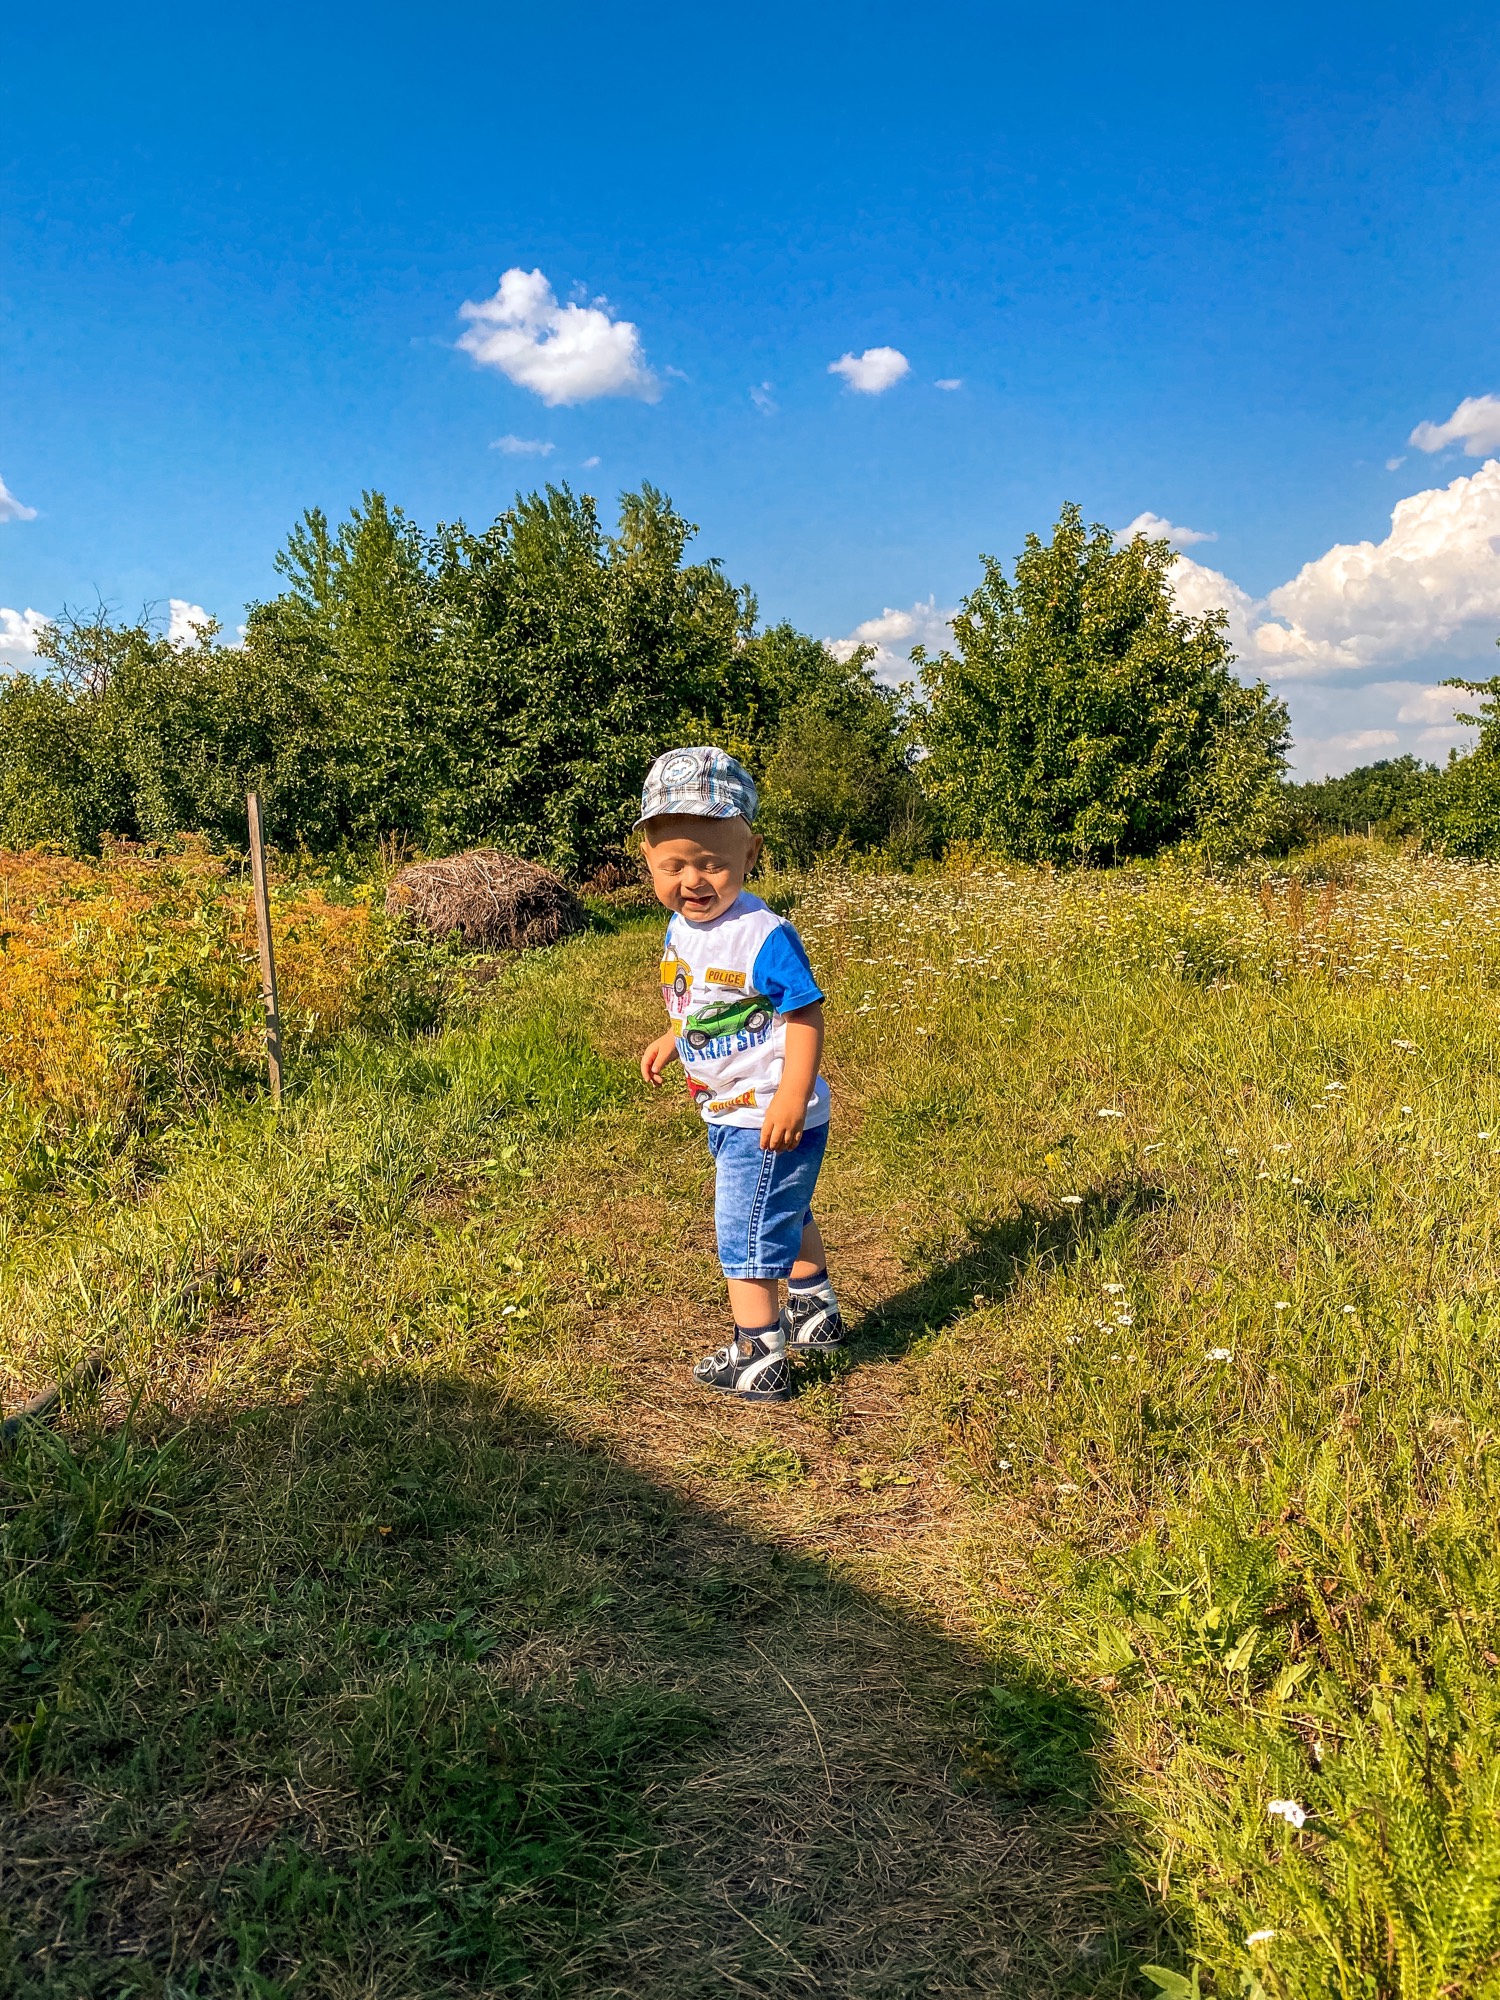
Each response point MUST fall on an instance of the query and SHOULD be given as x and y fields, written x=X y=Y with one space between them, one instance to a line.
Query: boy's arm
x=656 y=1055
x=787 y=1112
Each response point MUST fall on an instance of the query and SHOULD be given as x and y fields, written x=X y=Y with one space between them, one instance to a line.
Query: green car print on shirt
x=728 y=1017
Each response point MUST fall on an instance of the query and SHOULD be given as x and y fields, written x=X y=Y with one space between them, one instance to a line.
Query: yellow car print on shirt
x=676 y=984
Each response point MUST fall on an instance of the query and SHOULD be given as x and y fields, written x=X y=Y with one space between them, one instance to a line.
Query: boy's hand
x=782 y=1126
x=656 y=1055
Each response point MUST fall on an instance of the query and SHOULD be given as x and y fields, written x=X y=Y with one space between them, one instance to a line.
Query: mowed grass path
x=400 y=1622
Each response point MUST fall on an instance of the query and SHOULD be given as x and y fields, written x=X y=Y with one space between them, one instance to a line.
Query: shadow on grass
x=400 y=1691
x=996 y=1257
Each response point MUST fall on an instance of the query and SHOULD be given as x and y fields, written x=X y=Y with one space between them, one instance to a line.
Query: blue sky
x=1209 y=267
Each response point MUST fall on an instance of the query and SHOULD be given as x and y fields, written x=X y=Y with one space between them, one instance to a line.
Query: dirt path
x=854 y=1833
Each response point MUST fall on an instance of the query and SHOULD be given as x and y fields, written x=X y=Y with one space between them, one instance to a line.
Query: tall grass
x=130 y=996
x=1208 y=1179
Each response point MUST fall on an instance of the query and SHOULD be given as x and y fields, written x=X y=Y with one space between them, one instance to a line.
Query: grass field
x=397 y=1622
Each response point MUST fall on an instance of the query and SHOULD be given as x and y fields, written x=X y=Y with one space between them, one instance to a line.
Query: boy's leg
x=811 y=1320
x=812 y=1258
x=754 y=1301
x=754 y=1365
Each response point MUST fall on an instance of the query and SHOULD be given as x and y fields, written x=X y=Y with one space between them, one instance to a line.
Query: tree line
x=1455 y=807
x=453 y=688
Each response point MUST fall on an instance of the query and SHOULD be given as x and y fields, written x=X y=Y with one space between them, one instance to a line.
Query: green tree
x=565 y=659
x=48 y=789
x=130 y=734
x=331 y=720
x=1460 y=808
x=63 y=780
x=1082 y=716
x=833 y=751
x=509 y=687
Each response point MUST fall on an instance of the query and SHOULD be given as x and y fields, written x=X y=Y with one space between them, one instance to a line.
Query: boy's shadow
x=995 y=1258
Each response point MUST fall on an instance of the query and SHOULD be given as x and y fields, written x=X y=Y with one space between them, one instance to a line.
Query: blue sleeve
x=782 y=972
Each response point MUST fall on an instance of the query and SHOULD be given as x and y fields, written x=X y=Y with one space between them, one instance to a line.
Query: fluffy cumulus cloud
x=1336 y=724
x=1199 y=588
x=1429 y=591
x=19 y=632
x=1371 y=615
x=1436 y=706
x=11 y=509
x=185 y=621
x=874 y=371
x=517 y=447
x=893 y=634
x=564 y=354
x=1475 y=424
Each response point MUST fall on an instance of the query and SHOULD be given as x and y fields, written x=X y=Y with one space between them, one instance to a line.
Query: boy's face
x=698 y=866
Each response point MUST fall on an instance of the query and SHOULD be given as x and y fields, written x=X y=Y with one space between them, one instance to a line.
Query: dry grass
x=130 y=995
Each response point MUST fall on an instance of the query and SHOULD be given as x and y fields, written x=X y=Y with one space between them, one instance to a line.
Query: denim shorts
x=762 y=1201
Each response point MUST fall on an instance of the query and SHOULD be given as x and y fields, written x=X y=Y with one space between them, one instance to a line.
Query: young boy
x=747 y=1020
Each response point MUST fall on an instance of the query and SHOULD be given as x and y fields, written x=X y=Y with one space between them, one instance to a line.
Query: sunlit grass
x=1212 y=1227
x=1179 y=1198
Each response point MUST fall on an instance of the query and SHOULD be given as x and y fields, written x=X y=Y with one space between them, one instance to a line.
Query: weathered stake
x=267 y=953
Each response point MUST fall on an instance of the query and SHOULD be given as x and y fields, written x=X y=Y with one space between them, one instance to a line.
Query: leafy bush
x=826 y=786
x=837 y=774
x=54 y=776
x=1460 y=807
x=1082 y=717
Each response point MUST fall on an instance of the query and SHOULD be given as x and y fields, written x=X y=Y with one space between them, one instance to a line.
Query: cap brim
x=683 y=812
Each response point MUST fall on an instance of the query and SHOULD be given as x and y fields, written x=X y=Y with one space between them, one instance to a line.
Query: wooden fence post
x=267 y=953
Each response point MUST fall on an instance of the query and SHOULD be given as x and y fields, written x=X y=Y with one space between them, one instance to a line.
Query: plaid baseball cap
x=701 y=783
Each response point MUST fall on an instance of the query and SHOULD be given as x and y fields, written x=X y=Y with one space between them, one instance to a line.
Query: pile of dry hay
x=495 y=902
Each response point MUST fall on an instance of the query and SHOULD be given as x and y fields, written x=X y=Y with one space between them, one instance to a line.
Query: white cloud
x=1198 y=588
x=564 y=354
x=874 y=371
x=764 y=401
x=1359 y=742
x=1395 y=464
x=19 y=632
x=11 y=509
x=1338 y=724
x=1475 y=424
x=949 y=382
x=1157 y=529
x=893 y=634
x=1429 y=591
x=515 y=447
x=185 y=621
x=1431 y=587
x=590 y=463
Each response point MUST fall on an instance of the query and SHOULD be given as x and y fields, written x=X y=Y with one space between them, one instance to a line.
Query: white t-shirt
x=729 y=986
